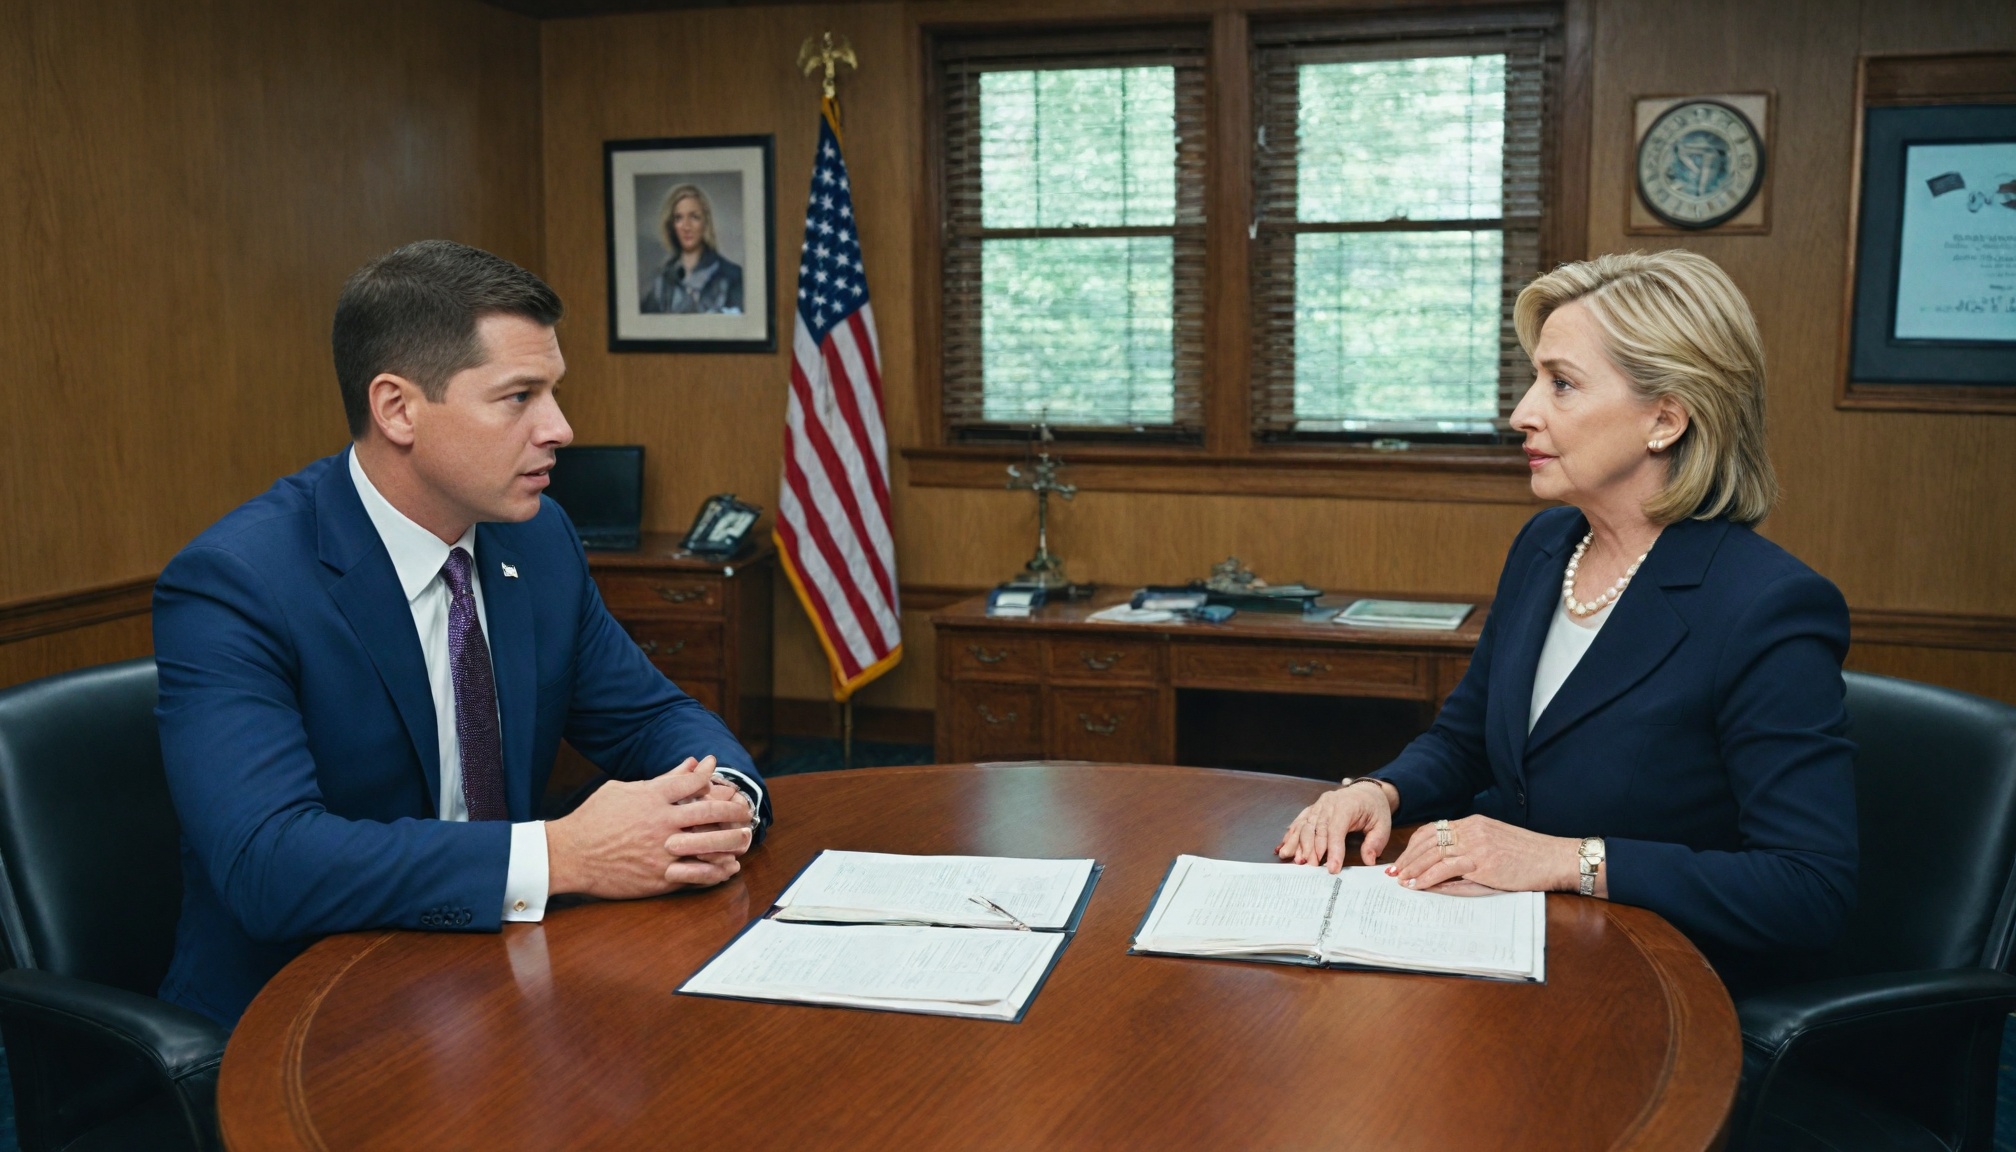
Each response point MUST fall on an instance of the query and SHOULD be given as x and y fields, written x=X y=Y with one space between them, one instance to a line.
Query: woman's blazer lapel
x=1643 y=630
x=1524 y=629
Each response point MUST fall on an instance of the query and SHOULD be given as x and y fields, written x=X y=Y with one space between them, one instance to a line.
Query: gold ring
x=1443 y=836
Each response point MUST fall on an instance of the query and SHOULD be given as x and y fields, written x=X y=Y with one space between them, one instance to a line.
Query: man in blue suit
x=366 y=671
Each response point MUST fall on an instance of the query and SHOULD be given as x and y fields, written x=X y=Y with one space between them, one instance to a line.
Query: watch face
x=1699 y=164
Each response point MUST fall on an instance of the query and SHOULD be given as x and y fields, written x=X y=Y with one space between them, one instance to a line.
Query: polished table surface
x=567 y=1033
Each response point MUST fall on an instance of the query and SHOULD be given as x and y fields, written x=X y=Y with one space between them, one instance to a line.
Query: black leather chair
x=90 y=887
x=1893 y=1043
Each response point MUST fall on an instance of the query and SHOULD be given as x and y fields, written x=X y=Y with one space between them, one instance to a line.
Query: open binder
x=1356 y=918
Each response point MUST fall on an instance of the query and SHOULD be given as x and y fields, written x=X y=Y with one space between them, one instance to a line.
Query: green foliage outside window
x=1399 y=327
x=1078 y=329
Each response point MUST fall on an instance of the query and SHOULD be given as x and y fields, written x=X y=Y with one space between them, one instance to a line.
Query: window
x=1073 y=243
x=1304 y=289
x=1397 y=204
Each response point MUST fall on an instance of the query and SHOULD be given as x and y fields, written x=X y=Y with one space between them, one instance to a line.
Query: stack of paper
x=1360 y=917
x=942 y=971
x=881 y=888
x=908 y=934
x=1412 y=614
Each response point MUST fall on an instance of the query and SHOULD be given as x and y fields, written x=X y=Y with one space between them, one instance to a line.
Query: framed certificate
x=1931 y=311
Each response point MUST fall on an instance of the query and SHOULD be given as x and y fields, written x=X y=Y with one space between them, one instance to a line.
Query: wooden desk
x=567 y=1034
x=1056 y=686
x=705 y=623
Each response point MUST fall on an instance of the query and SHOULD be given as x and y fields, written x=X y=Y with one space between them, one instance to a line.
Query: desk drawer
x=1293 y=668
x=995 y=655
x=995 y=722
x=689 y=647
x=630 y=594
x=707 y=692
x=1102 y=658
x=1117 y=726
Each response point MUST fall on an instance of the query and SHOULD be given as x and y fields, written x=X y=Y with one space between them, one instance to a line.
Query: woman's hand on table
x=1488 y=856
x=1317 y=834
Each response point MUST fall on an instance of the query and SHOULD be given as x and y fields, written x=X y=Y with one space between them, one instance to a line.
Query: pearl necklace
x=1609 y=594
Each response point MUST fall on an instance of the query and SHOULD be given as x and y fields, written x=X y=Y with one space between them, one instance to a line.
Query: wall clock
x=1699 y=164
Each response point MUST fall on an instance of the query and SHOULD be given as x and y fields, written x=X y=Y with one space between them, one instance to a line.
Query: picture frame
x=1929 y=311
x=690 y=228
x=1760 y=108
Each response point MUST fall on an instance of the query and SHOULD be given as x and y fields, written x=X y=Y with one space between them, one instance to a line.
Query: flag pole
x=847 y=733
x=845 y=574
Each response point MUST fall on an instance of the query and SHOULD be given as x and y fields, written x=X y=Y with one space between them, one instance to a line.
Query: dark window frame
x=1229 y=459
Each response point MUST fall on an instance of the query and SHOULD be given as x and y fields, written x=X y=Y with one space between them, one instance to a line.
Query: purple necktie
x=475 y=697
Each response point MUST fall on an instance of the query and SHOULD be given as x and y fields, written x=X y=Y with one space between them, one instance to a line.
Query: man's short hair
x=413 y=312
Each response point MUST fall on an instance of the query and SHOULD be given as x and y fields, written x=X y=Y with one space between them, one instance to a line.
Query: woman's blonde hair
x=1678 y=327
x=671 y=205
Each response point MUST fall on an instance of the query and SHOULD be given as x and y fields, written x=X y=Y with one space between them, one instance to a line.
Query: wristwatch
x=1590 y=856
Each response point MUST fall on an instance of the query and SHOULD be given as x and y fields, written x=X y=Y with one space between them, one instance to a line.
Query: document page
x=947 y=971
x=883 y=888
x=1376 y=921
x=1226 y=907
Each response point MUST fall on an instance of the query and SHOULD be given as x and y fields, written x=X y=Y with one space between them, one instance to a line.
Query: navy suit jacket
x=299 y=734
x=1701 y=736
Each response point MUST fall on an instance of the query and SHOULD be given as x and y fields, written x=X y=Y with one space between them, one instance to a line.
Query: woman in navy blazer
x=1654 y=712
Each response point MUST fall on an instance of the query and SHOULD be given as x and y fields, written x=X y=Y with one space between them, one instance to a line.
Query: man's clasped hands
x=684 y=829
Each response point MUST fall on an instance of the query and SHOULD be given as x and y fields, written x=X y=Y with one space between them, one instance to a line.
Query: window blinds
x=1398 y=189
x=1072 y=241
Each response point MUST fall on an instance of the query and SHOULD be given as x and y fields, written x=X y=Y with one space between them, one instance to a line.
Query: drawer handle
x=1111 y=725
x=1309 y=669
x=984 y=657
x=1100 y=663
x=651 y=647
x=990 y=718
x=681 y=595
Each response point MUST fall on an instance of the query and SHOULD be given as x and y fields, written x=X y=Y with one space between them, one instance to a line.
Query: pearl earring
x=1656 y=445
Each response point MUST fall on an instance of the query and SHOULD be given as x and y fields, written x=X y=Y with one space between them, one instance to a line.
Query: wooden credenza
x=704 y=623
x=1055 y=686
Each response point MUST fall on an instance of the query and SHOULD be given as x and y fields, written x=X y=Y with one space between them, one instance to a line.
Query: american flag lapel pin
x=510 y=570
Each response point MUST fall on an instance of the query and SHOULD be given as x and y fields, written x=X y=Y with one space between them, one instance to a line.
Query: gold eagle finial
x=829 y=52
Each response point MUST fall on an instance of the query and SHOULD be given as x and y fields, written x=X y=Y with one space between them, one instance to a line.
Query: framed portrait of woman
x=690 y=235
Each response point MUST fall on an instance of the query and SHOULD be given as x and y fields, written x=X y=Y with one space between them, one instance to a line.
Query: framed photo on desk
x=1930 y=320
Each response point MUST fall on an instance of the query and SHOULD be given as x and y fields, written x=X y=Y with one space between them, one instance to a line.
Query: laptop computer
x=601 y=488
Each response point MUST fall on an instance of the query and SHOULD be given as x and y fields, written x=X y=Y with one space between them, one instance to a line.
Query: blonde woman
x=1654 y=712
x=695 y=276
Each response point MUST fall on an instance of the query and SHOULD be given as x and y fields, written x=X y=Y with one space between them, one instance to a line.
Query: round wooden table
x=567 y=1033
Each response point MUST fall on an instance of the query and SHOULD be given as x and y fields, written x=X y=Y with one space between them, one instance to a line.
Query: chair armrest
x=1776 y=1021
x=177 y=1042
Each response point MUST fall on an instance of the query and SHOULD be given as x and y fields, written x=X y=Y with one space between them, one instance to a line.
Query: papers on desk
x=938 y=971
x=942 y=935
x=1124 y=614
x=1407 y=614
x=1359 y=918
x=880 y=888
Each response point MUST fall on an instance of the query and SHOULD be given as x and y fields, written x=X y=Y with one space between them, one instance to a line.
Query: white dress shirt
x=418 y=557
x=1568 y=640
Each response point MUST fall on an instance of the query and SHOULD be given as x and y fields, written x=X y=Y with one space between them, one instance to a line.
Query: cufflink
x=518 y=906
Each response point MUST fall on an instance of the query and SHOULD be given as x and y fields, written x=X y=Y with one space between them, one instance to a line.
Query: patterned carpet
x=792 y=755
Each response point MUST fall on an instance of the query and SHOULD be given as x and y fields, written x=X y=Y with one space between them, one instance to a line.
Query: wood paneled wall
x=1902 y=511
x=189 y=184
x=185 y=187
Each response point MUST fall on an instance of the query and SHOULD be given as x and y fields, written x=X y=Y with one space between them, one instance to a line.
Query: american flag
x=833 y=511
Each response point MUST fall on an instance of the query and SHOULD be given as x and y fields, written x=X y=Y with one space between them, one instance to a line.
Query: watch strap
x=1589 y=857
